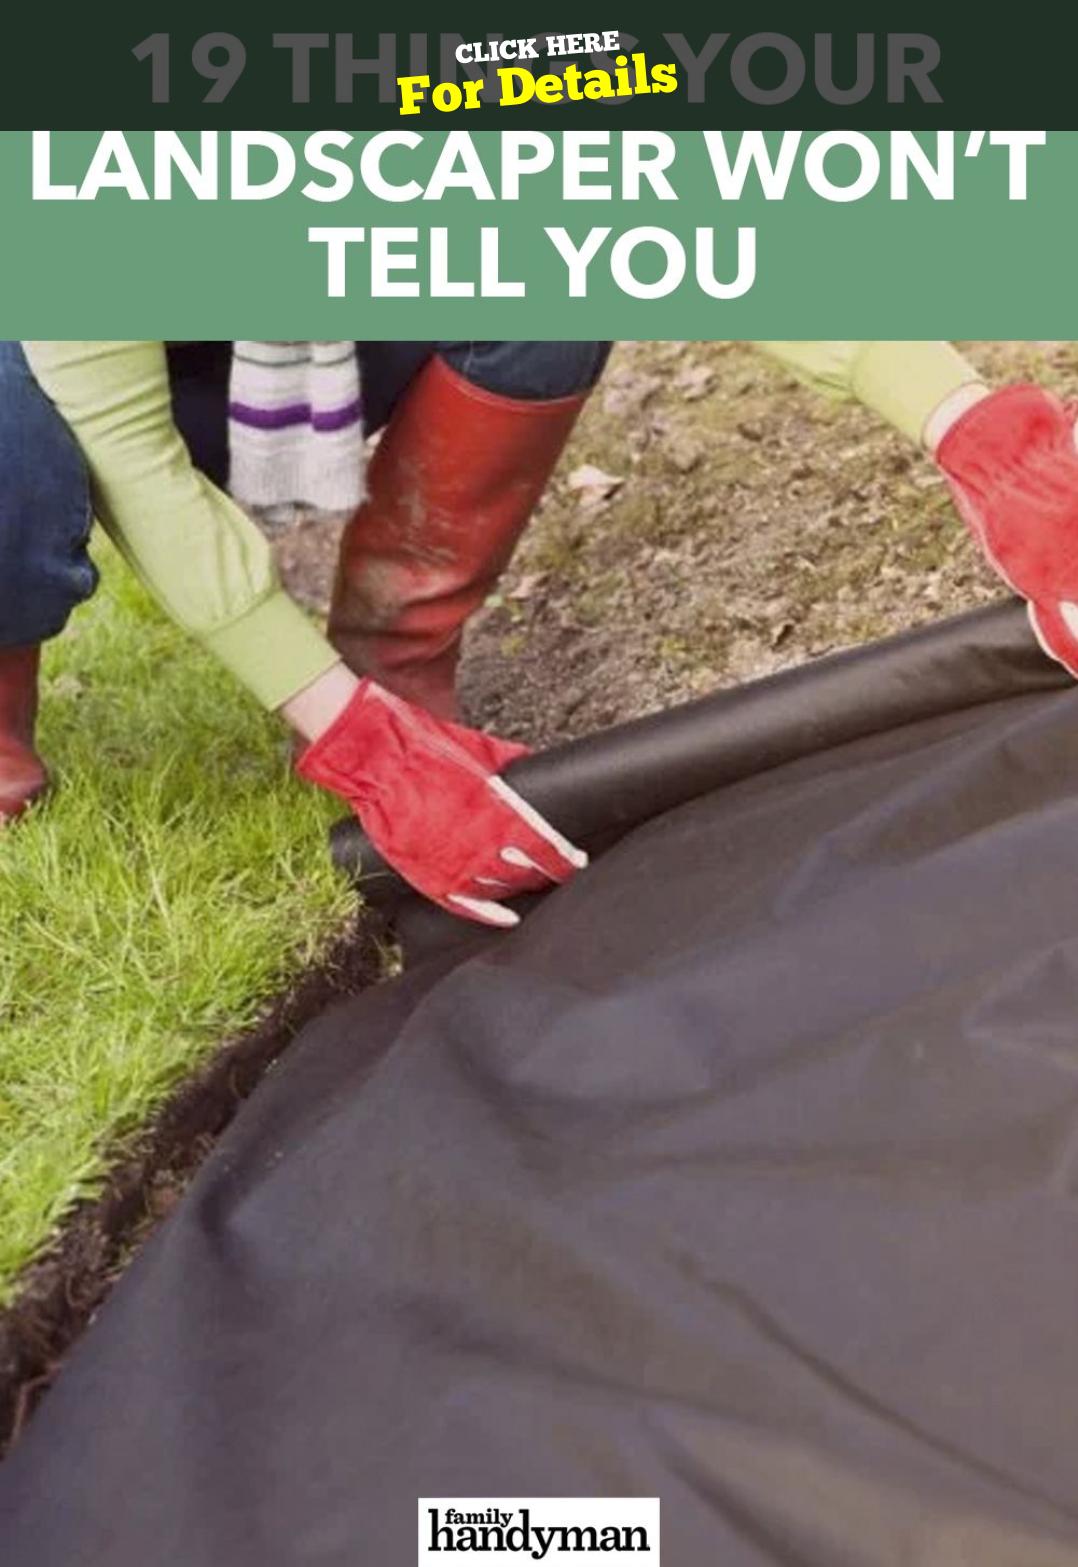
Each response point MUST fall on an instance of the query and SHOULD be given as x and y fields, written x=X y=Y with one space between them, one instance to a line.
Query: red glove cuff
x=1005 y=434
x=430 y=798
x=1013 y=470
x=376 y=727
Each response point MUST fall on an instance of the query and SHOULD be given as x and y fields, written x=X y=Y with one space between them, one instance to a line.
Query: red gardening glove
x=1012 y=466
x=431 y=801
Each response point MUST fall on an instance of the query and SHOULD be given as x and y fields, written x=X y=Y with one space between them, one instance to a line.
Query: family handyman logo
x=553 y=1530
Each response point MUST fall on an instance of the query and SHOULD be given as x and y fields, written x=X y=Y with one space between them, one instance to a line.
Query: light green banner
x=129 y=263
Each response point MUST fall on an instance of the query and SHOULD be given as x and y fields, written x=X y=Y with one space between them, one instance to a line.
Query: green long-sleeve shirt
x=199 y=554
x=206 y=561
x=904 y=382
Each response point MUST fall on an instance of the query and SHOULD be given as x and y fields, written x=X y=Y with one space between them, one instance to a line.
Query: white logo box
x=554 y=1530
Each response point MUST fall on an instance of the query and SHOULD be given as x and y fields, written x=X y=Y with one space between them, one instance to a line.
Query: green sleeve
x=200 y=556
x=904 y=382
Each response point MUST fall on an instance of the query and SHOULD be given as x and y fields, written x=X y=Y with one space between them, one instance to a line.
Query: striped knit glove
x=431 y=801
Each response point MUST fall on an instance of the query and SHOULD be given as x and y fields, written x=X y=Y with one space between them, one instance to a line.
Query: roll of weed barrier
x=740 y=1175
x=595 y=789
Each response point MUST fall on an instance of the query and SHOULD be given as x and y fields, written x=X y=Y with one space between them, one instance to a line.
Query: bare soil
x=744 y=524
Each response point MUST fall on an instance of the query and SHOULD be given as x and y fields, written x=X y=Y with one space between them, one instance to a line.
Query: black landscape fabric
x=743 y=1174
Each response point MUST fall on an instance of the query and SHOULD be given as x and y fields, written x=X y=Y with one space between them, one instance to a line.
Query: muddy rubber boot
x=453 y=483
x=23 y=778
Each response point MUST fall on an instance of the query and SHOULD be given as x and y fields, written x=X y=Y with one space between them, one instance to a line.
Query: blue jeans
x=45 y=513
x=45 y=508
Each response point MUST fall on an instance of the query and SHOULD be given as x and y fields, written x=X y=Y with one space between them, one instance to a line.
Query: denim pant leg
x=45 y=511
x=518 y=369
x=529 y=371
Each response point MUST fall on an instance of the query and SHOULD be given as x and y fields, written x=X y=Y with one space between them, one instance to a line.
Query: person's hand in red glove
x=431 y=801
x=1012 y=465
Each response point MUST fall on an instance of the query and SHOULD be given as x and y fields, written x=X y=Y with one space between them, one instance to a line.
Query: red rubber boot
x=22 y=774
x=452 y=484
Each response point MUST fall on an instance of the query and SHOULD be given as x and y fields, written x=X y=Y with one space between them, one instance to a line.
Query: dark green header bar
x=312 y=66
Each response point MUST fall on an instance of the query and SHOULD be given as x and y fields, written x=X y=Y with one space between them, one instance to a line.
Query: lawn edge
x=61 y=1290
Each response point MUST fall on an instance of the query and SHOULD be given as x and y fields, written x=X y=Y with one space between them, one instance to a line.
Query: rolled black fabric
x=741 y=1175
x=595 y=789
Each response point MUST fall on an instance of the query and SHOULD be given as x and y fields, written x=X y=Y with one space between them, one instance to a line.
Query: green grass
x=175 y=879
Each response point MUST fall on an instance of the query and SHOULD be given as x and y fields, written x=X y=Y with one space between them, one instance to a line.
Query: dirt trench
x=63 y=1289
